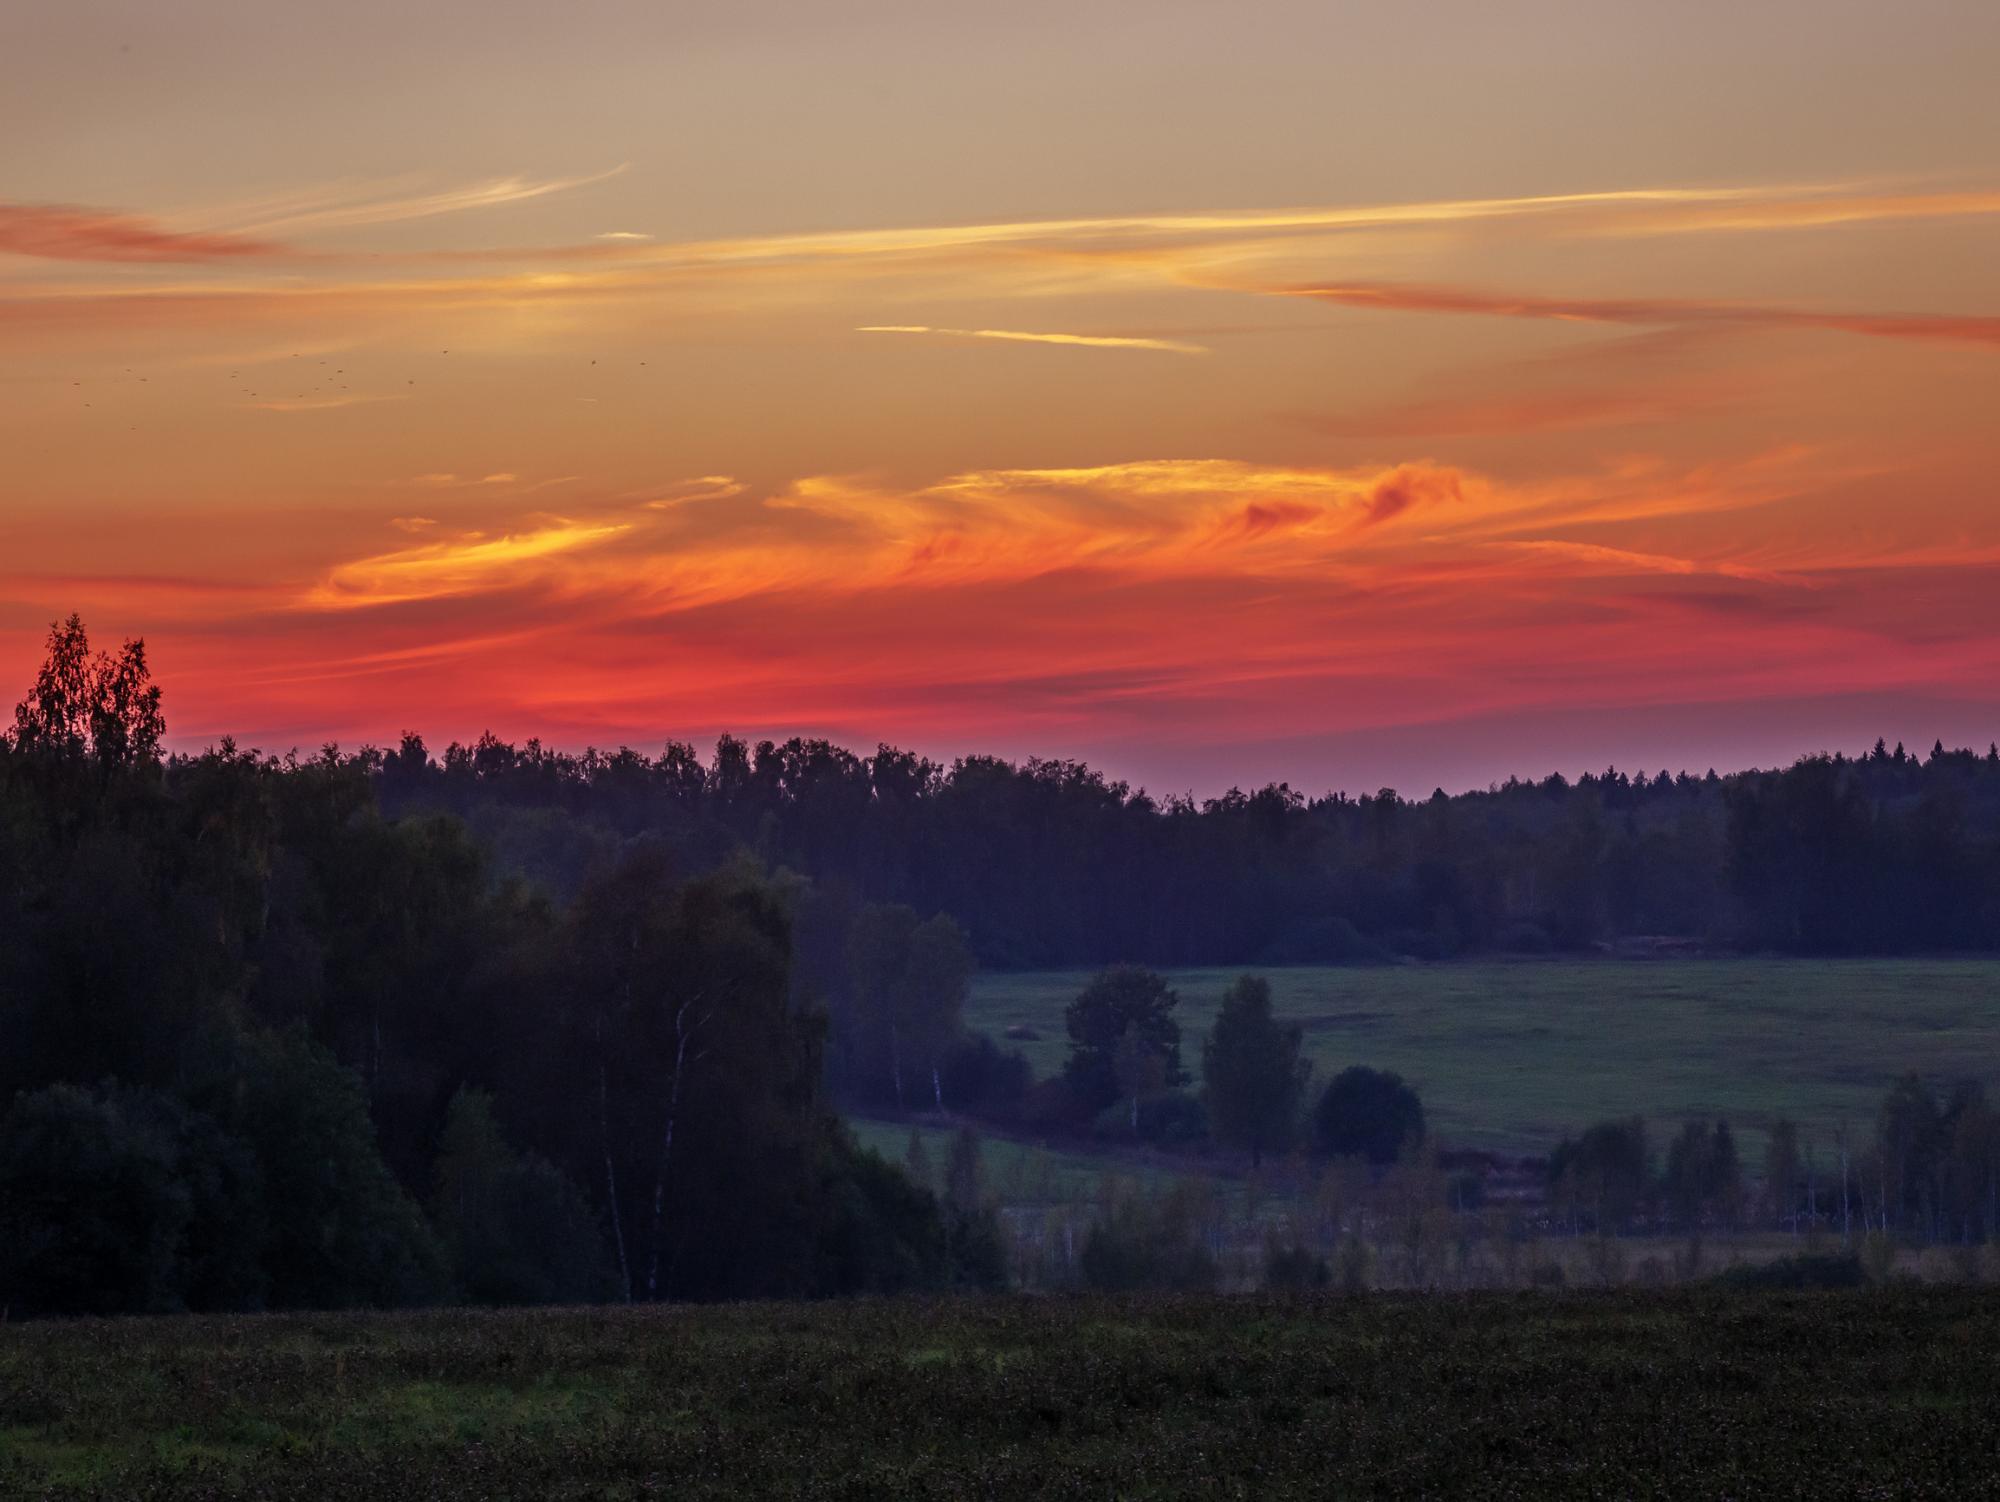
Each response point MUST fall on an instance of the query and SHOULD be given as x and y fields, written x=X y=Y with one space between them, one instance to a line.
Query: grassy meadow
x=1690 y=1392
x=1510 y=1055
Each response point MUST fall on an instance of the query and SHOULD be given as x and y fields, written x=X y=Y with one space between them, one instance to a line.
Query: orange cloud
x=1396 y=297
x=60 y=232
x=1091 y=341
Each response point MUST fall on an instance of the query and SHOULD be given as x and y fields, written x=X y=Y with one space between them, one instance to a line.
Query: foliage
x=1294 y=1268
x=294 y=987
x=514 y=1228
x=1812 y=1270
x=1141 y=1243
x=1703 y=1176
x=93 y=1214
x=1604 y=1176
x=1252 y=1075
x=340 y=1230
x=103 y=707
x=1124 y=1042
x=1369 y=1113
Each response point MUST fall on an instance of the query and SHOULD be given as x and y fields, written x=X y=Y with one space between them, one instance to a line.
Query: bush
x=1420 y=944
x=1142 y=1246
x=882 y=1234
x=1322 y=941
x=1368 y=1113
x=1524 y=938
x=124 y=1202
x=93 y=1216
x=342 y=1232
x=516 y=1230
x=977 y=1075
x=1052 y=1106
x=1808 y=1270
x=1172 y=1119
x=1293 y=1269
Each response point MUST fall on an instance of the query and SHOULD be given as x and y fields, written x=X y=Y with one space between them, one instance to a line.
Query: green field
x=1511 y=1055
x=1691 y=1393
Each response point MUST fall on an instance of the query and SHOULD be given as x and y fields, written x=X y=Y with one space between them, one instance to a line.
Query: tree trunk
x=611 y=1179
x=683 y=1033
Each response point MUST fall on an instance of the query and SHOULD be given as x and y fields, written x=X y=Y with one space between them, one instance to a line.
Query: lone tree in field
x=1368 y=1113
x=1252 y=1075
x=1123 y=1037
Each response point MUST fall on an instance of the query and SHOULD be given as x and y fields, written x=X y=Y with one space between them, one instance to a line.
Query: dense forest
x=1050 y=863
x=263 y=1047
x=511 y=1025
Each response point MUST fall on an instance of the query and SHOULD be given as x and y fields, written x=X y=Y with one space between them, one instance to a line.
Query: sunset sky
x=1350 y=394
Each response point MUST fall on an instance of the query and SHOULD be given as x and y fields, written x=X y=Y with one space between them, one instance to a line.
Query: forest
x=1051 y=863
x=512 y=1026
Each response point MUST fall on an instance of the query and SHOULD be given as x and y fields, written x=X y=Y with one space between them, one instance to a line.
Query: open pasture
x=1510 y=1055
x=1693 y=1393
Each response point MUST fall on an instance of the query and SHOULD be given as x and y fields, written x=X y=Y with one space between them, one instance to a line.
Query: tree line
x=1051 y=863
x=1926 y=1170
x=263 y=1045
x=515 y=1026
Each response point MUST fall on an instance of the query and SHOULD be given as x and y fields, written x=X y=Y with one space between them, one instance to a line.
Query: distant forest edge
x=519 y=1027
x=1048 y=863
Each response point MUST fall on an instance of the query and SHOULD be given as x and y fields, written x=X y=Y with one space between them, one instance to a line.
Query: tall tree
x=104 y=706
x=1252 y=1074
x=1128 y=1008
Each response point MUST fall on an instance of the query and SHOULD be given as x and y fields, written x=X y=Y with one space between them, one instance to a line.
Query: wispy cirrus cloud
x=350 y=205
x=455 y=482
x=1019 y=336
x=321 y=403
x=1654 y=312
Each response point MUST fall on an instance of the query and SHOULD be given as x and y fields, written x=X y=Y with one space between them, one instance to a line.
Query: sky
x=1354 y=395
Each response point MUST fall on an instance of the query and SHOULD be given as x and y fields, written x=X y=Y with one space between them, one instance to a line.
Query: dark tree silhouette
x=1367 y=1113
x=1252 y=1075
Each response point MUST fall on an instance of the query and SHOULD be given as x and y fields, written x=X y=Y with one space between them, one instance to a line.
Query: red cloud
x=1407 y=486
x=1964 y=329
x=60 y=232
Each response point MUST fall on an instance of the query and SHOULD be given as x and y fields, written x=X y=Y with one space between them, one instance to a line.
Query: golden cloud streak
x=700 y=543
x=452 y=568
x=1088 y=341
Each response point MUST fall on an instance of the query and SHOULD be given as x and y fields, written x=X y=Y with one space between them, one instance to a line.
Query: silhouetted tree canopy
x=1124 y=1042
x=1252 y=1075
x=1367 y=1113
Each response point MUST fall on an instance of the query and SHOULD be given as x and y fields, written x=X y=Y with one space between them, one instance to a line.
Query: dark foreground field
x=1877 y=1393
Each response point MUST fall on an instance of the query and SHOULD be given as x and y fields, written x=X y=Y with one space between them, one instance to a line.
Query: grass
x=1511 y=1055
x=1687 y=1392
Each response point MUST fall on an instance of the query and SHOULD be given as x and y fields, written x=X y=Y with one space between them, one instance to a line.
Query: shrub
x=1139 y=1245
x=516 y=1230
x=1172 y=1119
x=1322 y=941
x=1808 y=1270
x=1367 y=1113
x=1052 y=1106
x=976 y=1075
x=1293 y=1269
x=1524 y=938
x=93 y=1217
